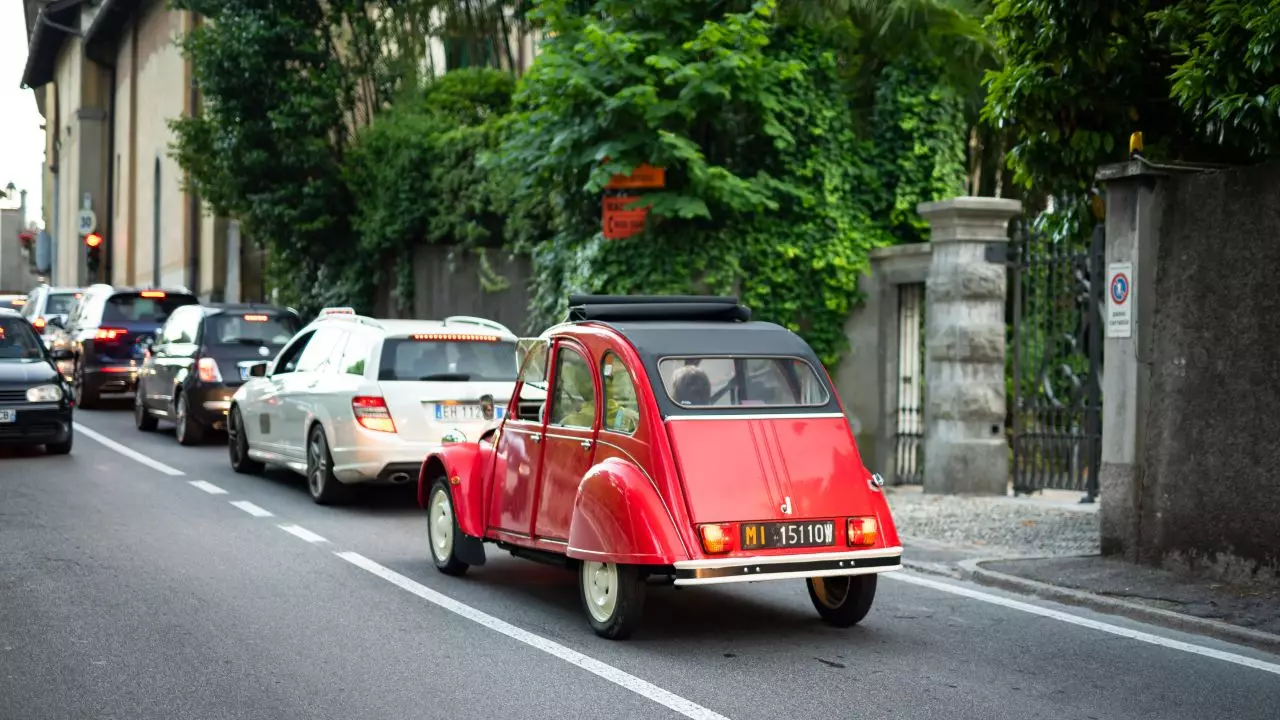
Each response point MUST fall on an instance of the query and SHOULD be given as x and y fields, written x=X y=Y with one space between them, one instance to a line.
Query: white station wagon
x=351 y=399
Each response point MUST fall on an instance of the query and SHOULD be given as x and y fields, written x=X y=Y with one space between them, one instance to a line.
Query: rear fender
x=618 y=516
x=462 y=466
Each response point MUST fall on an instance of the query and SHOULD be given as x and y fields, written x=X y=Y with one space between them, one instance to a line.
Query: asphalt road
x=128 y=592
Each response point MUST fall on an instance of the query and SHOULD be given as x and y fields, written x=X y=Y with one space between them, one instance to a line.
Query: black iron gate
x=1056 y=306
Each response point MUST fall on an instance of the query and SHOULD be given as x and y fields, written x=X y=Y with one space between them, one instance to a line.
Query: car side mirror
x=60 y=354
x=57 y=322
x=258 y=370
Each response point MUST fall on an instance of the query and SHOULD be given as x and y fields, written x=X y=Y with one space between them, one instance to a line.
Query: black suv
x=199 y=358
x=110 y=330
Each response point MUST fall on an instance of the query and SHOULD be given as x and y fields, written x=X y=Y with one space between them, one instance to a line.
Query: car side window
x=319 y=353
x=574 y=402
x=355 y=357
x=621 y=407
x=288 y=360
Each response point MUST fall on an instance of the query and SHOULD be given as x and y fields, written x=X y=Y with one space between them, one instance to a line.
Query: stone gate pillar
x=965 y=450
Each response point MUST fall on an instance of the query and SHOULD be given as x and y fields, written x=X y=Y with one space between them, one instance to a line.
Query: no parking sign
x=1120 y=300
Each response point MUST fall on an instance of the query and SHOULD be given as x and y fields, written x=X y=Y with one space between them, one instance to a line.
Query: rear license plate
x=469 y=411
x=8 y=416
x=244 y=373
x=820 y=533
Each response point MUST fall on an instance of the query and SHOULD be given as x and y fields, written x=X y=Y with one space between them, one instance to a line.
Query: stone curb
x=973 y=570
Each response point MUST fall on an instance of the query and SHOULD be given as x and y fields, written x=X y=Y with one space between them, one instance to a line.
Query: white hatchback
x=356 y=400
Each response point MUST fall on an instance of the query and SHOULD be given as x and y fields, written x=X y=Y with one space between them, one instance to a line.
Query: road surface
x=140 y=579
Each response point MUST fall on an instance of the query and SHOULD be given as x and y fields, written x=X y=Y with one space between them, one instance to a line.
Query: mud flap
x=468 y=549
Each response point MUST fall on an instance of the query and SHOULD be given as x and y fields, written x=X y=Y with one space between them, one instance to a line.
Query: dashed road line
x=127 y=451
x=207 y=487
x=623 y=679
x=301 y=532
x=252 y=509
x=1065 y=617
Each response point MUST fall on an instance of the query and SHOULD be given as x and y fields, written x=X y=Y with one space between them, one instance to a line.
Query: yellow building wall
x=124 y=211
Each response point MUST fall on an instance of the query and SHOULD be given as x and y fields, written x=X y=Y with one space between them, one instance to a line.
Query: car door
x=573 y=418
x=262 y=408
x=518 y=456
x=173 y=356
x=303 y=390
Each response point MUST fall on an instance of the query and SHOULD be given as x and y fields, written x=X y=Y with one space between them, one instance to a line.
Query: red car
x=678 y=439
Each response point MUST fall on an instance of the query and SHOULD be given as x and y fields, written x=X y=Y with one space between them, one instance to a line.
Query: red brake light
x=207 y=369
x=109 y=334
x=716 y=539
x=152 y=293
x=863 y=531
x=372 y=413
x=255 y=318
x=39 y=325
x=455 y=337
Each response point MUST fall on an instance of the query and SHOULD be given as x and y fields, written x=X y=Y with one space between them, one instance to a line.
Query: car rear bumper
x=209 y=404
x=111 y=379
x=381 y=462
x=36 y=425
x=717 y=571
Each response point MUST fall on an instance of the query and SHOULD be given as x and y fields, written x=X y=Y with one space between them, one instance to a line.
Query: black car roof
x=658 y=339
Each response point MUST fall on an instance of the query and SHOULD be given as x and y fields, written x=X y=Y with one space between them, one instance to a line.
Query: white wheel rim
x=600 y=585
x=440 y=516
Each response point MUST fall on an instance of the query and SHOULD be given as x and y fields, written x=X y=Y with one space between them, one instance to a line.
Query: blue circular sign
x=1120 y=288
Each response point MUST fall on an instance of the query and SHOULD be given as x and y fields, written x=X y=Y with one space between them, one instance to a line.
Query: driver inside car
x=691 y=386
x=575 y=400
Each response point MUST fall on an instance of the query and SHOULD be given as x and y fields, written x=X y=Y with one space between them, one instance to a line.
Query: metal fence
x=1056 y=305
x=909 y=431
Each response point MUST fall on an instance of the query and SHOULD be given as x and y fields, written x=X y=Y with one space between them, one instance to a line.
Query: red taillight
x=207 y=368
x=716 y=539
x=372 y=413
x=39 y=325
x=863 y=531
x=109 y=334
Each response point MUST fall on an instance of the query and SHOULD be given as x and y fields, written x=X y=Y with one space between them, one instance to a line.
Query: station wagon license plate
x=8 y=416
x=820 y=533
x=465 y=411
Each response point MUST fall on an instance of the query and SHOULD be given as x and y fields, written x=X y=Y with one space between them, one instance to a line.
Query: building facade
x=108 y=78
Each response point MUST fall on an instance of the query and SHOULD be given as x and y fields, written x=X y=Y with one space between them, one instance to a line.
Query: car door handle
x=586 y=444
x=536 y=437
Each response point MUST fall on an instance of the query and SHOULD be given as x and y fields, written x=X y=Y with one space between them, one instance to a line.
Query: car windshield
x=18 y=341
x=734 y=382
x=481 y=360
x=249 y=328
x=61 y=303
x=140 y=308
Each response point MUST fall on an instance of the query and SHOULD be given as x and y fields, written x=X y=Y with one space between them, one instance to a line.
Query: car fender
x=462 y=465
x=618 y=516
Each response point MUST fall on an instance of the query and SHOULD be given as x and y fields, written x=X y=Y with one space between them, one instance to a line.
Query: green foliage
x=416 y=179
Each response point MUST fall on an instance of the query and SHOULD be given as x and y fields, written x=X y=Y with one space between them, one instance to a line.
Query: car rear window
x=61 y=303
x=250 y=328
x=143 y=307
x=737 y=382
x=18 y=341
x=426 y=358
x=12 y=303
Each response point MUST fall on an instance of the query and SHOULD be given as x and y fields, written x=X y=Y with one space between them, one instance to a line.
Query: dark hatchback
x=109 y=331
x=200 y=357
x=35 y=401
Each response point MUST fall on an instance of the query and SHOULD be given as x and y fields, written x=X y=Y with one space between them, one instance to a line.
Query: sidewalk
x=1047 y=545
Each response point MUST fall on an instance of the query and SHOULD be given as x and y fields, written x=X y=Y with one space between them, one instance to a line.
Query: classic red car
x=678 y=439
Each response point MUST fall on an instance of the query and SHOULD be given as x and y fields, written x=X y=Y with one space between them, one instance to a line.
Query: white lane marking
x=252 y=509
x=207 y=487
x=127 y=451
x=645 y=689
x=1124 y=632
x=305 y=534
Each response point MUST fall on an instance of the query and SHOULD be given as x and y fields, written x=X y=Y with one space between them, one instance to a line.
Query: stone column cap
x=969 y=218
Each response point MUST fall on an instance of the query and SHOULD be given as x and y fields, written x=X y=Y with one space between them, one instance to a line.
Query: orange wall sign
x=621 y=222
x=644 y=176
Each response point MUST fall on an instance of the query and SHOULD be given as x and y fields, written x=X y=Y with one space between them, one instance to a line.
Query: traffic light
x=93 y=252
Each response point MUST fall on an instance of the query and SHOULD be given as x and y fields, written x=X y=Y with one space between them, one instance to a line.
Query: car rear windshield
x=61 y=303
x=736 y=382
x=18 y=341
x=442 y=360
x=143 y=307
x=12 y=303
x=250 y=328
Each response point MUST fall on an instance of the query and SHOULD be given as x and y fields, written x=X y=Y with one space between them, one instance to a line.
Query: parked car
x=35 y=401
x=682 y=441
x=12 y=302
x=109 y=331
x=201 y=355
x=47 y=309
x=354 y=400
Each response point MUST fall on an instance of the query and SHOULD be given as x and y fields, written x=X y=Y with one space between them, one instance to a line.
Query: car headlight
x=44 y=393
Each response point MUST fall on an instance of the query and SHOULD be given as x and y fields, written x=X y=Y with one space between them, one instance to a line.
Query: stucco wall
x=1211 y=465
x=67 y=254
x=123 y=227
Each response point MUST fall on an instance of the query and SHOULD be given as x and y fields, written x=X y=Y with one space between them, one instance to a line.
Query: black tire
x=142 y=417
x=85 y=398
x=843 y=601
x=324 y=487
x=60 y=448
x=444 y=548
x=188 y=430
x=238 y=445
x=628 y=589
